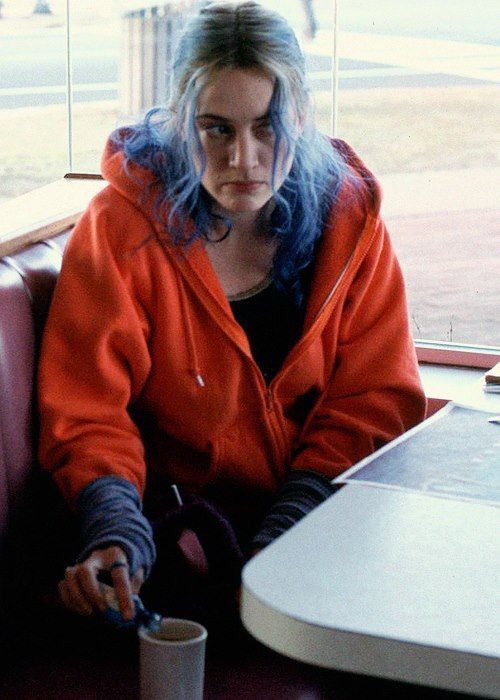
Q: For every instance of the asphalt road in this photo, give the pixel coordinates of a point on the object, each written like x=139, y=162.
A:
x=33, y=60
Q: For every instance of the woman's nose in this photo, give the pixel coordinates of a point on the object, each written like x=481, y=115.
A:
x=244, y=152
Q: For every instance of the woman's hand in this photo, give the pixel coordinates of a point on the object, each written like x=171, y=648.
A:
x=79, y=590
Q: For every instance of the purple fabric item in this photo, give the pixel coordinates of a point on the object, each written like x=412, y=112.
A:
x=214, y=532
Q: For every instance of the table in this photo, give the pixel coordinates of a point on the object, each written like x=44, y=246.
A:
x=391, y=582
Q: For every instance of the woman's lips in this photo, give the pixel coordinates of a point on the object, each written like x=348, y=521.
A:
x=244, y=186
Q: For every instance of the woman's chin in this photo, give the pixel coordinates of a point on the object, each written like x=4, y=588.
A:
x=242, y=205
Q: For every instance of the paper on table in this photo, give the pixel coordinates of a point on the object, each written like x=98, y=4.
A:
x=455, y=453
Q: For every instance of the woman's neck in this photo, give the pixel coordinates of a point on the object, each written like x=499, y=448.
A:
x=245, y=256
x=247, y=225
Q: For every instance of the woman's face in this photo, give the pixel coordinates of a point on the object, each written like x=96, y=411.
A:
x=238, y=140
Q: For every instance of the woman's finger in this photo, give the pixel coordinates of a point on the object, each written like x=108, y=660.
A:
x=72, y=595
x=137, y=580
x=86, y=575
x=81, y=592
x=63, y=594
x=123, y=589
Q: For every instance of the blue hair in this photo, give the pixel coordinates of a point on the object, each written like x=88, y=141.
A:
x=243, y=35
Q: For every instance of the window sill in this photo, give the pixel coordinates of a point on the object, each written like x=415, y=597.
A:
x=461, y=384
x=45, y=212
x=455, y=355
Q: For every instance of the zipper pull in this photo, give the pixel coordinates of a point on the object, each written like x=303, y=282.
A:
x=269, y=400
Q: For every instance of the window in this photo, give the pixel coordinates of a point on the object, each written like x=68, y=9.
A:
x=417, y=89
x=33, y=115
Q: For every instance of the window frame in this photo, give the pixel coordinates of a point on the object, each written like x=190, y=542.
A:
x=428, y=351
x=456, y=354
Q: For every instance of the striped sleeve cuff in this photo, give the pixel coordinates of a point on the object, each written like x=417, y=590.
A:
x=302, y=492
x=110, y=513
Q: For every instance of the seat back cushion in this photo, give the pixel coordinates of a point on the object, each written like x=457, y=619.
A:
x=26, y=283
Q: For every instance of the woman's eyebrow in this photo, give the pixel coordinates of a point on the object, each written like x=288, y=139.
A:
x=218, y=117
x=212, y=116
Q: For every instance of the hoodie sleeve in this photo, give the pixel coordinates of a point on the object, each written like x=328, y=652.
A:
x=374, y=392
x=94, y=358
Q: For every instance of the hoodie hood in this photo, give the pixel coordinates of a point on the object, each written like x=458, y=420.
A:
x=137, y=183
x=350, y=228
x=132, y=181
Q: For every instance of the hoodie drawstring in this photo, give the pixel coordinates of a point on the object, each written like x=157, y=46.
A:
x=194, y=368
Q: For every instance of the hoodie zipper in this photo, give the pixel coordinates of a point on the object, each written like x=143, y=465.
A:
x=280, y=430
x=335, y=287
x=281, y=449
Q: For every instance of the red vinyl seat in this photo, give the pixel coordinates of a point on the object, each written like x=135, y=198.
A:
x=27, y=279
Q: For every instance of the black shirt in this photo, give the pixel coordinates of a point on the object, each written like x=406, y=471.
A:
x=272, y=322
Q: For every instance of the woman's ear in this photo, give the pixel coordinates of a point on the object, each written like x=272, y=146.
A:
x=303, y=114
x=299, y=123
x=299, y=120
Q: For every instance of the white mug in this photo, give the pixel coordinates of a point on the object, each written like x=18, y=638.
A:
x=172, y=660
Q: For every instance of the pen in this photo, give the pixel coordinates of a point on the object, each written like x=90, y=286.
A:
x=177, y=495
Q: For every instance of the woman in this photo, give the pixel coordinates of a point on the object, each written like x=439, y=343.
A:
x=230, y=318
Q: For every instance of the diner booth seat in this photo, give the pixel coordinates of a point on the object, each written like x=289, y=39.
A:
x=46, y=652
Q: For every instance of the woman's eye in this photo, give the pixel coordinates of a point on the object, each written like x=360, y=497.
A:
x=217, y=130
x=265, y=130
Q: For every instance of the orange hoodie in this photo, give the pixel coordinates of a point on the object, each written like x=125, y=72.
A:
x=139, y=327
